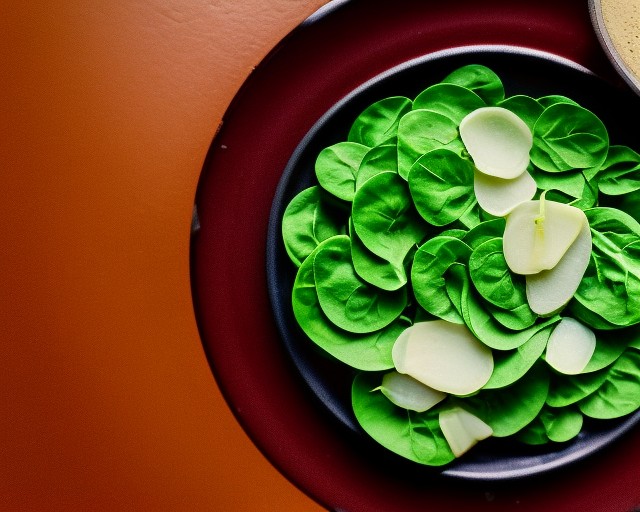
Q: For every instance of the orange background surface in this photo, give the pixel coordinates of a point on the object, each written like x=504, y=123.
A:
x=107, y=110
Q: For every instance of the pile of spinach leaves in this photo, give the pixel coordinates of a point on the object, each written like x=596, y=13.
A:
x=392, y=234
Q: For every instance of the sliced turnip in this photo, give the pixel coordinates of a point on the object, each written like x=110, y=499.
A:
x=462, y=430
x=444, y=356
x=550, y=290
x=538, y=234
x=498, y=141
x=408, y=393
x=570, y=347
x=498, y=196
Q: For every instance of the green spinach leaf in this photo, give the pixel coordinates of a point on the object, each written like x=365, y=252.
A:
x=369, y=352
x=347, y=300
x=479, y=79
x=306, y=222
x=414, y=436
x=337, y=166
x=429, y=275
x=378, y=123
x=421, y=131
x=385, y=219
x=620, y=173
x=566, y=137
x=450, y=100
x=619, y=394
x=441, y=185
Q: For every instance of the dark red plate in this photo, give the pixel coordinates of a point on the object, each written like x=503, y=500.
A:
x=325, y=59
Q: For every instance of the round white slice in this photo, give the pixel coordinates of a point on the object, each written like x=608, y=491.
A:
x=406, y=392
x=538, y=234
x=462, y=430
x=444, y=356
x=570, y=347
x=498, y=196
x=498, y=141
x=550, y=290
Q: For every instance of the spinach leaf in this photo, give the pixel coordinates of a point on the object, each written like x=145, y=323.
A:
x=441, y=185
x=484, y=231
x=421, y=131
x=385, y=219
x=479, y=79
x=507, y=413
x=619, y=394
x=525, y=107
x=611, y=284
x=348, y=301
x=620, y=173
x=558, y=425
x=379, y=159
x=552, y=99
x=306, y=222
x=511, y=365
x=516, y=319
x=378, y=123
x=488, y=330
x=609, y=346
x=370, y=352
x=379, y=272
x=414, y=436
x=429, y=275
x=573, y=185
x=492, y=277
x=570, y=389
x=450, y=100
x=337, y=166
x=566, y=137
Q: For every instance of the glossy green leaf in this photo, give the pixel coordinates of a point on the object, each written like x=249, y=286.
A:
x=492, y=277
x=378, y=123
x=337, y=166
x=620, y=173
x=306, y=222
x=450, y=100
x=611, y=284
x=375, y=270
x=429, y=275
x=441, y=185
x=346, y=299
x=566, y=137
x=619, y=394
x=370, y=352
x=484, y=231
x=379, y=159
x=508, y=413
x=479, y=79
x=511, y=365
x=557, y=425
x=385, y=219
x=526, y=108
x=414, y=436
x=421, y=131
x=570, y=389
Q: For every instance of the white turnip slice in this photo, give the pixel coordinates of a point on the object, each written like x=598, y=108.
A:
x=550, y=290
x=444, y=356
x=498, y=196
x=406, y=392
x=462, y=430
x=538, y=234
x=570, y=346
x=498, y=141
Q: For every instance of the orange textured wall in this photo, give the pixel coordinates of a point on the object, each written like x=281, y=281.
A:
x=107, y=111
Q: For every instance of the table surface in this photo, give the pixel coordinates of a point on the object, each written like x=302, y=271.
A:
x=107, y=113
